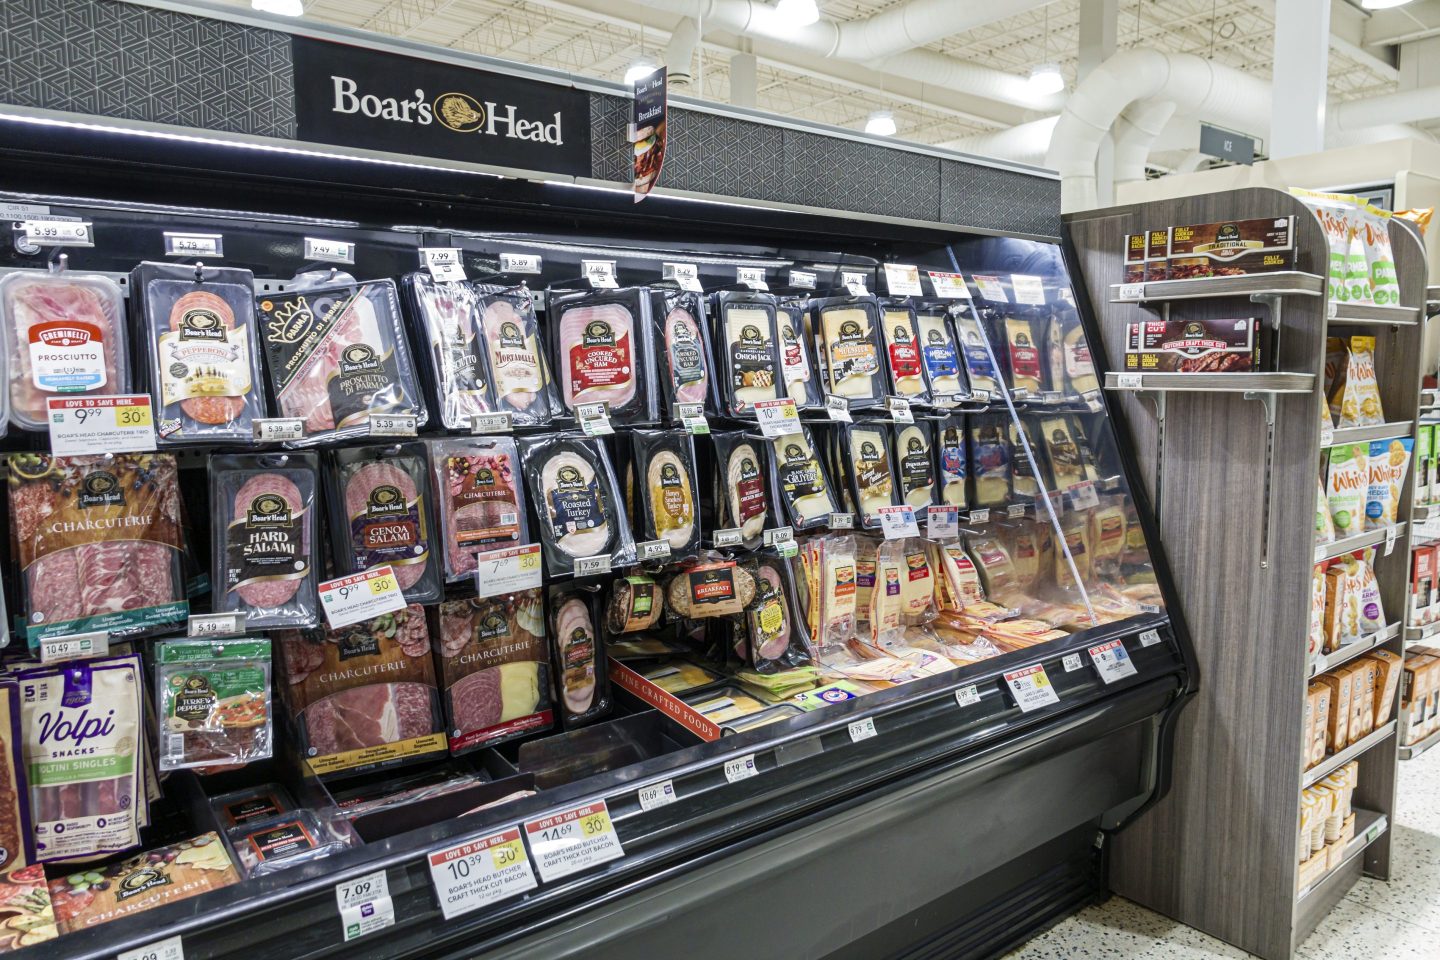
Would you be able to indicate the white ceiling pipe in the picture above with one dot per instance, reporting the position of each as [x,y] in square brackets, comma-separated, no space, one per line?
[920,22]
[680,51]
[1135,133]
[940,70]
[1023,143]
[1407,106]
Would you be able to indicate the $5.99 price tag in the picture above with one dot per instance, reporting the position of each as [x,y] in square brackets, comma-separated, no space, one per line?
[361,596]
[81,426]
[573,840]
[479,872]
[171,948]
[507,571]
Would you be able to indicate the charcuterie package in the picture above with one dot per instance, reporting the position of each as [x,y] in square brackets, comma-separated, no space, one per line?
[572,484]
[142,882]
[603,352]
[381,496]
[578,655]
[480,499]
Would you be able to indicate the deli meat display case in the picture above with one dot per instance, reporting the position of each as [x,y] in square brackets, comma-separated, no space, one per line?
[754,567]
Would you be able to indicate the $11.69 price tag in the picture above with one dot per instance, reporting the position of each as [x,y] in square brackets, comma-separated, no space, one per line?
[573,840]
[95,425]
[361,596]
[479,872]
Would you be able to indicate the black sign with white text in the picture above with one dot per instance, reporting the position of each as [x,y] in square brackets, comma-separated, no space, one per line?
[647,126]
[353,97]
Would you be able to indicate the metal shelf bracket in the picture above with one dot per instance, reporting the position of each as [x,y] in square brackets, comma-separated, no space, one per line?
[1267,400]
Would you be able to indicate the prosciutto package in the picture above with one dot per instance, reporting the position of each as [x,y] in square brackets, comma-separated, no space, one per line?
[263,531]
[579,655]
[64,334]
[383,495]
[523,385]
[687,365]
[480,497]
[98,541]
[572,484]
[364,696]
[448,314]
[602,351]
[201,354]
[336,355]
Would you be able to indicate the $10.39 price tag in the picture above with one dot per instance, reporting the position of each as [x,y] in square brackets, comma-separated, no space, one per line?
[361,596]
[573,840]
[507,571]
[480,872]
[777,417]
[80,426]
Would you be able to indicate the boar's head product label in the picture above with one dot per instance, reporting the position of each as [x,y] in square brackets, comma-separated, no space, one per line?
[671,503]
[802,480]
[793,359]
[937,351]
[688,375]
[852,362]
[746,487]
[952,464]
[574,503]
[600,362]
[387,515]
[577,655]
[265,542]
[750,338]
[870,465]
[904,351]
[978,364]
[990,457]
[1066,460]
[494,667]
[1024,355]
[448,312]
[514,354]
[1023,477]
[917,471]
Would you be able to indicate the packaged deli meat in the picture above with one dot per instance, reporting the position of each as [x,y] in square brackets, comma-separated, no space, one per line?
[64,333]
[480,499]
[915,465]
[213,700]
[494,669]
[363,697]
[747,329]
[850,330]
[866,457]
[264,528]
[572,485]
[383,495]
[523,384]
[337,355]
[1231,247]
[200,351]
[603,353]
[98,541]
[578,655]
[682,345]
[903,351]
[1193,346]
[797,365]
[710,587]
[661,493]
[86,797]
[16,837]
[250,805]
[979,363]
[636,603]
[800,480]
[287,840]
[742,495]
[938,351]
[29,917]
[774,627]
[447,315]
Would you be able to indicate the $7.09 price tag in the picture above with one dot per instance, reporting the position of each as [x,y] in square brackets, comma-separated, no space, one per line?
[507,571]
[96,425]
[479,872]
[365,905]
[573,840]
[361,596]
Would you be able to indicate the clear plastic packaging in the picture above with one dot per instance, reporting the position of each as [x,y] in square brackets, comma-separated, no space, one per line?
[797,364]
[481,499]
[682,347]
[850,329]
[572,484]
[287,840]
[251,804]
[775,630]
[944,370]
[635,604]
[201,351]
[980,370]
[381,494]
[578,655]
[603,352]
[801,480]
[447,313]
[213,700]
[865,453]
[990,459]
[904,360]
[742,477]
[661,494]
[915,465]
[264,531]
[515,351]
[746,328]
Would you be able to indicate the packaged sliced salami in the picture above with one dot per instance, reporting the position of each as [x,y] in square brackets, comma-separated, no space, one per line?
[661,492]
[686,361]
[578,655]
[213,701]
[364,697]
[494,669]
[865,453]
[939,353]
[798,368]
[64,333]
[456,365]
[98,541]
[337,355]
[264,529]
[480,498]
[201,352]
[16,838]
[905,362]
[774,626]
[915,465]
[383,495]
[850,329]
[746,327]
[800,479]
[603,351]
[572,485]
[742,479]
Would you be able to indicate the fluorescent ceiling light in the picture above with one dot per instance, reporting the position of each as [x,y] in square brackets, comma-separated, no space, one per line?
[797,13]
[881,123]
[285,8]
[1382,4]
[640,68]
[1046,79]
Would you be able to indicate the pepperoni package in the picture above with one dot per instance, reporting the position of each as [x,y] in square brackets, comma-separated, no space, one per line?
[380,498]
[480,498]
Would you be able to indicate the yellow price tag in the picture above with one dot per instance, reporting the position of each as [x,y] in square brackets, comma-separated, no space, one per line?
[596,824]
[505,854]
[133,417]
[530,561]
[382,585]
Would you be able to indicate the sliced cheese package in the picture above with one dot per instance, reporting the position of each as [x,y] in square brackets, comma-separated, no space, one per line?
[661,493]
[975,351]
[603,351]
[990,459]
[952,457]
[800,480]
[578,654]
[904,592]
[939,352]
[904,363]
[686,362]
[800,373]
[741,499]
[849,327]
[868,469]
[572,485]
[746,326]
[1024,471]
[915,465]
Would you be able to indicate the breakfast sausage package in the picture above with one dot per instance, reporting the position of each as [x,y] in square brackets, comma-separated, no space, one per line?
[602,348]
[747,329]
[213,700]
[578,655]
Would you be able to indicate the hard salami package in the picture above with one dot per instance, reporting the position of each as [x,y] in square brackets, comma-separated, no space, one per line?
[363,697]
[480,499]
[98,540]
[263,535]
[742,498]
[572,485]
[688,374]
[82,724]
[494,669]
[661,491]
[201,352]
[797,364]
[849,327]
[523,384]
[746,327]
[336,355]
[381,494]
[213,701]
[602,347]
[578,655]
[447,315]
[16,839]
[903,346]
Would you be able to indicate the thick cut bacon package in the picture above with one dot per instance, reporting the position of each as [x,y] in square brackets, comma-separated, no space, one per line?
[380,496]
[456,365]
[480,500]
[603,352]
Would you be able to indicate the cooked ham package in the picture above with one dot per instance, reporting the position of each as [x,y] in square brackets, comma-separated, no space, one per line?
[64,334]
[742,497]
[523,384]
[98,540]
[200,351]
[494,669]
[447,319]
[364,696]
[603,351]
[661,494]
[572,484]
[336,354]
[578,655]
[264,527]
[480,499]
[746,328]
[798,368]
[682,347]
[380,499]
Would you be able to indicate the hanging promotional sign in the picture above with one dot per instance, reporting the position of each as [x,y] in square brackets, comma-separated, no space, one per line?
[647,125]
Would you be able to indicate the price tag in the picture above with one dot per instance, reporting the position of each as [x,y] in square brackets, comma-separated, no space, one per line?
[81,426]
[777,417]
[20,211]
[216,624]
[361,596]
[592,566]
[729,538]
[946,400]
[279,429]
[779,536]
[950,286]
[991,288]
[1149,608]
[898,523]
[837,408]
[57,232]
[653,550]
[508,570]
[600,273]
[1015,511]
[654,795]
[980,515]
[1112,661]
[492,423]
[842,521]
[573,840]
[194,244]
[1132,291]
[752,277]
[1072,662]
[980,396]
[965,696]
[168,949]
[741,768]
[365,905]
[903,280]
[594,419]
[942,523]
[862,730]
[1130,381]
[695,426]
[393,424]
[1391,533]
[74,646]
[900,410]
[1327,436]
[1028,289]
[1374,830]
[692,417]
[319,250]
[854,281]
[1332,310]
[1320,550]
[802,280]
[1149,638]
[372,886]
[1052,397]
[1031,687]
[1083,496]
[519,263]
[444,263]
[480,872]
[687,275]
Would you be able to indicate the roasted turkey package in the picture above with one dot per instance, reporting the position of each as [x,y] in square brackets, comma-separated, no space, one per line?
[746,327]
[447,318]
[661,491]
[572,486]
[578,654]
[480,499]
[682,345]
[381,495]
[603,351]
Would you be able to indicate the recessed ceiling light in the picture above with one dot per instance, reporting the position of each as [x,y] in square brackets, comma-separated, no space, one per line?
[881,123]
[285,8]
[797,13]
[1382,4]
[640,68]
[1046,79]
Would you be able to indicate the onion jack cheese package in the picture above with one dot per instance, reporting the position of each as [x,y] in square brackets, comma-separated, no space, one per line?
[747,326]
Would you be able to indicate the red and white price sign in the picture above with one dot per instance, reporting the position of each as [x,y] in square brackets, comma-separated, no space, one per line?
[777,417]
[1031,687]
[361,596]
[573,840]
[1112,660]
[507,571]
[897,523]
[480,872]
[81,426]
[950,286]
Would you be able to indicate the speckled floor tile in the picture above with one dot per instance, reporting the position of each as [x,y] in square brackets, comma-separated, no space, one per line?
[1114,930]
[1355,930]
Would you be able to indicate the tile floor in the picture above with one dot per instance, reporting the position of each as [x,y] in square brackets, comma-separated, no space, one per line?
[1399,920]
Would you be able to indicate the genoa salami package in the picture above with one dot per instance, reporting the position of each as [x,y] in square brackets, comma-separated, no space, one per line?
[480,499]
[64,333]
[448,314]
[682,340]
[15,830]
[602,351]
[741,493]
[579,655]
[798,368]
[494,669]
[850,330]
[264,528]
[213,701]
[523,385]
[661,494]
[572,485]
[336,355]
[201,352]
[383,495]
[82,728]
[363,697]
[98,539]
[905,362]
[745,326]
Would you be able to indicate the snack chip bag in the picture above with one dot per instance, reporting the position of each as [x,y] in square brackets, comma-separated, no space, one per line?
[1324,524]
[1379,256]
[1388,461]
[1354,394]
[1346,483]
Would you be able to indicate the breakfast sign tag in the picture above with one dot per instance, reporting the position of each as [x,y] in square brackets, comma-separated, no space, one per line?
[647,131]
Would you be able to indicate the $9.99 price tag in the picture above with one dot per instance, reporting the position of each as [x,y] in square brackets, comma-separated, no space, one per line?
[93,425]
[361,596]
[573,840]
[170,948]
[480,872]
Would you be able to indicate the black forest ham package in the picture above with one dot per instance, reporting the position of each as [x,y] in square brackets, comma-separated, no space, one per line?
[579,656]
[480,498]
[682,345]
[603,351]
[572,486]
[381,496]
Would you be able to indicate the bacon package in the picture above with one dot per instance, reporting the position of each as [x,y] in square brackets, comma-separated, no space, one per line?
[903,351]
[745,325]
[687,364]
[523,384]
[264,527]
[602,351]
[480,497]
[201,352]
[337,355]
[98,541]
[448,314]
[383,495]
[64,334]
